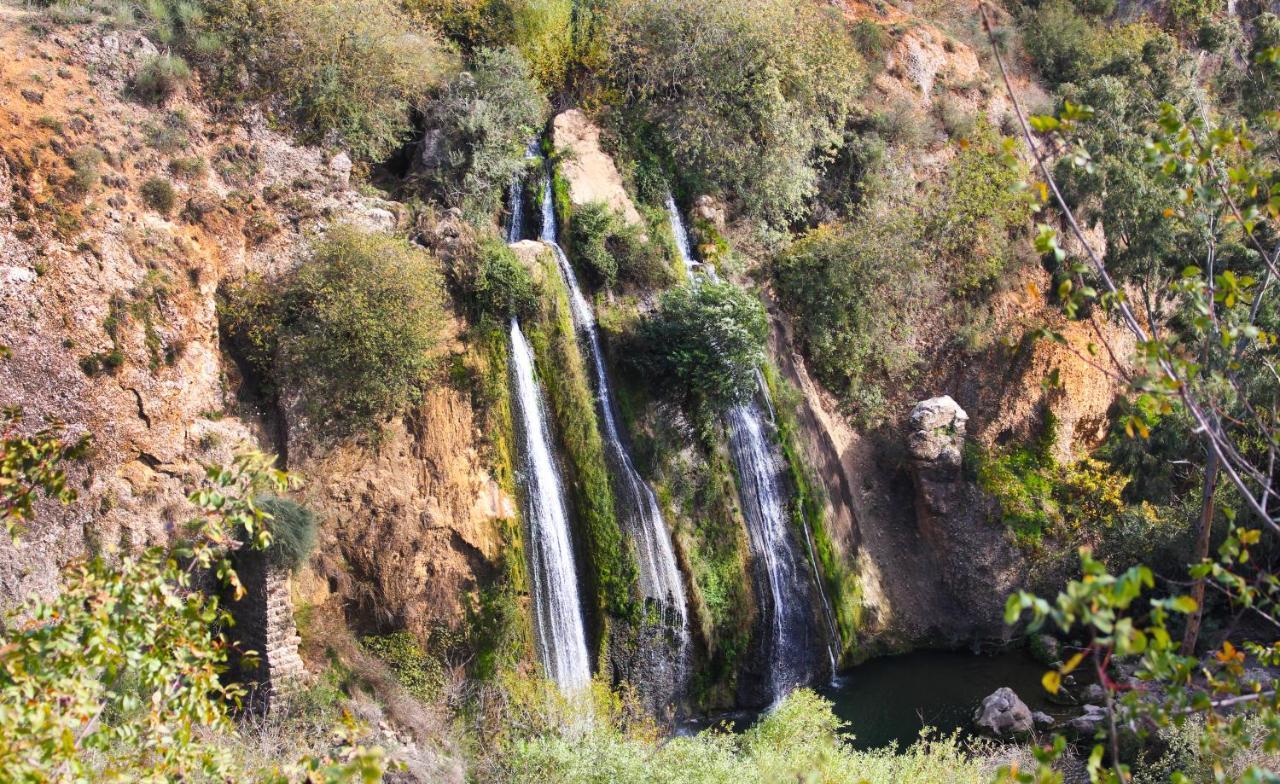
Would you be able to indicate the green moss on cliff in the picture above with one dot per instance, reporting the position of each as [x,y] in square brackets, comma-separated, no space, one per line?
[611,568]
[499,630]
[843,589]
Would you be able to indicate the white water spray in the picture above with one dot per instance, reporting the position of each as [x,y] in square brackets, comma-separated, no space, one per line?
[558,628]
[659,574]
[764,503]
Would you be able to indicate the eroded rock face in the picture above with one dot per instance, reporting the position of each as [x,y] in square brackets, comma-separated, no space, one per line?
[591,174]
[410,525]
[1004,715]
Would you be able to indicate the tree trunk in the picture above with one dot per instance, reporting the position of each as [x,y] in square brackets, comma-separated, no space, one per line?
[1203,534]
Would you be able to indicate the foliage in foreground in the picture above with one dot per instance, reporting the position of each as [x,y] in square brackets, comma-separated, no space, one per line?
[798,740]
[118,679]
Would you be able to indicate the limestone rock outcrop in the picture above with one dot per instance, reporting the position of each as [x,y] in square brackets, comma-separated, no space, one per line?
[976,560]
[1003,714]
[589,171]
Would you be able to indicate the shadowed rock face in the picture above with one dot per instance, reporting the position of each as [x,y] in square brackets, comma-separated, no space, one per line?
[978,564]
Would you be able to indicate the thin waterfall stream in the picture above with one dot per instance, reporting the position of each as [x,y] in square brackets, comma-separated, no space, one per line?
[557,604]
[764,503]
[558,627]
[660,579]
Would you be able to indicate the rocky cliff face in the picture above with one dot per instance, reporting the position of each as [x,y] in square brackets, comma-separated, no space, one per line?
[107,299]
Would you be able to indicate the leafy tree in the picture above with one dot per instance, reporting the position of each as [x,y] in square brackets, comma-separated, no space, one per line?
[855,293]
[31,464]
[360,327]
[980,211]
[483,122]
[707,340]
[750,98]
[1205,330]
[344,70]
[118,679]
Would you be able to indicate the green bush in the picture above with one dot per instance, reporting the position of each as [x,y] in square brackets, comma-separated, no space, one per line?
[797,740]
[249,319]
[981,211]
[1062,41]
[856,294]
[161,77]
[764,90]
[188,168]
[706,341]
[1040,497]
[361,326]
[501,285]
[485,118]
[420,674]
[159,195]
[471,23]
[84,170]
[350,69]
[610,248]
[293,531]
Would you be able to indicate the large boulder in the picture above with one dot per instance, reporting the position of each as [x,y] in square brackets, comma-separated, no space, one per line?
[590,173]
[1003,714]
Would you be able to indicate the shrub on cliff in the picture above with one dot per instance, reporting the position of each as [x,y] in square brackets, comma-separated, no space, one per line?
[361,326]
[160,78]
[611,248]
[706,340]
[751,98]
[346,69]
[856,293]
[483,121]
[498,283]
[293,531]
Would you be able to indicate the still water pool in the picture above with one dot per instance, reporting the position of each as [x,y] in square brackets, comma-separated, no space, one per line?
[891,699]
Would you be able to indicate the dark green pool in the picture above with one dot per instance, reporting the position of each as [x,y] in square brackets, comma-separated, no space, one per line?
[891,699]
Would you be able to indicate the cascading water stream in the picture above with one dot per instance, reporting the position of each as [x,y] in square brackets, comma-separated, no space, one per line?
[558,628]
[764,503]
[660,578]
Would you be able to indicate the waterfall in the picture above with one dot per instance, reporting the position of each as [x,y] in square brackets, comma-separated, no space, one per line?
[659,575]
[558,628]
[764,504]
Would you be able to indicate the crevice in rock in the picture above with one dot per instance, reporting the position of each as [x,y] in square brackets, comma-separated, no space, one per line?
[142,411]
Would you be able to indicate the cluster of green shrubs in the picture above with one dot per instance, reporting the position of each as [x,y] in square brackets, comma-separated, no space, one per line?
[763,91]
[496,283]
[859,290]
[799,739]
[612,249]
[482,122]
[421,674]
[1041,497]
[705,343]
[354,329]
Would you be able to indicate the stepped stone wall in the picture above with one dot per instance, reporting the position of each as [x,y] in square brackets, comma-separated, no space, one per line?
[265,625]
